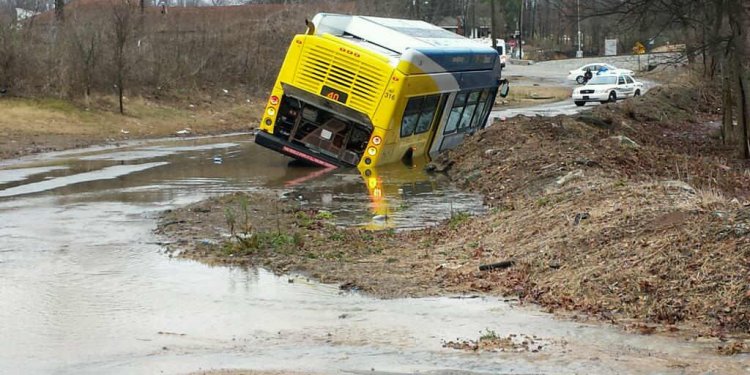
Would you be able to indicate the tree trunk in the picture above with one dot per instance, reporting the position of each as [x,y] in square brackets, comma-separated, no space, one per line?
[60,10]
[744,73]
[714,39]
[728,134]
[119,94]
[739,11]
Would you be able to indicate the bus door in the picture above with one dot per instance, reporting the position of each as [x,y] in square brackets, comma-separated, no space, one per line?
[437,136]
[466,115]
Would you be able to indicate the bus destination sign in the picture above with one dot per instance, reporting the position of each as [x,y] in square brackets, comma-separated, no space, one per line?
[334,94]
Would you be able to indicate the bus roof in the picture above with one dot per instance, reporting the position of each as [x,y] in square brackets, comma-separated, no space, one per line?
[401,39]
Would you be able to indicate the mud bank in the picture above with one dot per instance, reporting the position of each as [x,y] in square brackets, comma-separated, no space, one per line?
[634,214]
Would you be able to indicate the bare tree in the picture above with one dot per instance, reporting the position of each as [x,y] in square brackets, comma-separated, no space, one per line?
[86,42]
[739,11]
[122,24]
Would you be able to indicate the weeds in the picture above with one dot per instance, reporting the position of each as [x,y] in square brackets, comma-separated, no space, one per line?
[324,215]
[458,219]
[488,334]
[231,219]
[542,202]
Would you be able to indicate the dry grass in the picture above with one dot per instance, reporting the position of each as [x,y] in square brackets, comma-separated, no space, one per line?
[37,125]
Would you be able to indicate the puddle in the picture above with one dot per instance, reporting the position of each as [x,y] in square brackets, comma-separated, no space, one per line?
[20,174]
[86,289]
[397,196]
[107,173]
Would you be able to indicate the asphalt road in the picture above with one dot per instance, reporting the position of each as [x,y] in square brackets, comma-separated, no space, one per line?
[554,73]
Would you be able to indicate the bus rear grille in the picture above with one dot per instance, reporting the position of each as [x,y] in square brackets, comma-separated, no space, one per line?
[323,66]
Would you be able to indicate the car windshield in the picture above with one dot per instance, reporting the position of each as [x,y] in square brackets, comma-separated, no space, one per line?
[603,80]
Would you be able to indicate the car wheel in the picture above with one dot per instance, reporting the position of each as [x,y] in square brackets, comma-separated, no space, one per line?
[579,103]
[579,79]
[637,93]
[612,97]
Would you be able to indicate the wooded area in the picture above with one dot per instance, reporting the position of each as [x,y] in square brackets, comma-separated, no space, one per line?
[114,46]
[117,46]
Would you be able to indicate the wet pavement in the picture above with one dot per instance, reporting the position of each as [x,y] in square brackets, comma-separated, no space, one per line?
[85,287]
[565,107]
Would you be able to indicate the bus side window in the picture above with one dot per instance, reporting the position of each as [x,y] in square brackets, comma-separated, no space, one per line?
[479,113]
[427,114]
[471,105]
[455,116]
[411,115]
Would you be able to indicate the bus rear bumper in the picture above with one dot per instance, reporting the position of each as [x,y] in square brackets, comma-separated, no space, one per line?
[269,141]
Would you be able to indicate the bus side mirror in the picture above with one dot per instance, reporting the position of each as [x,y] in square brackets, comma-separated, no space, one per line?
[310,27]
[504,88]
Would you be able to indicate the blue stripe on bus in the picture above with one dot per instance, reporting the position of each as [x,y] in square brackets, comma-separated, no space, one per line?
[462,59]
[475,80]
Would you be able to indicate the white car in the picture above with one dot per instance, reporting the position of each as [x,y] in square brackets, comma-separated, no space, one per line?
[577,75]
[607,88]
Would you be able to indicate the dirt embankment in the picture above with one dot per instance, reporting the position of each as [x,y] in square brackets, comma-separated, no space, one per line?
[29,126]
[634,213]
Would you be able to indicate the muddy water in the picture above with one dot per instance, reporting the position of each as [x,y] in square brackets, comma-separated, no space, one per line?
[86,289]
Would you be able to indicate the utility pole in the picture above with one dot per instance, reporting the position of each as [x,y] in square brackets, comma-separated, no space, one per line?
[492,25]
[520,32]
[579,53]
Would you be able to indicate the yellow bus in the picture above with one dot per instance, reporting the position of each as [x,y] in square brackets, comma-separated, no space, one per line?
[367,91]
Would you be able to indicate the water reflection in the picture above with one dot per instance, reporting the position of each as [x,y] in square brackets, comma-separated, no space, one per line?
[396,196]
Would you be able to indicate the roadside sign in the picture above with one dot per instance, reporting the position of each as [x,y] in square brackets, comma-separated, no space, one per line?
[639,48]
[610,47]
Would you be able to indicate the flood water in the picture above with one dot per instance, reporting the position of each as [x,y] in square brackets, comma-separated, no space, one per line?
[85,287]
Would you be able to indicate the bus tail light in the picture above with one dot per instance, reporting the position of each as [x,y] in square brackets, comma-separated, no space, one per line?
[376,140]
[271,111]
[274,100]
[372,151]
